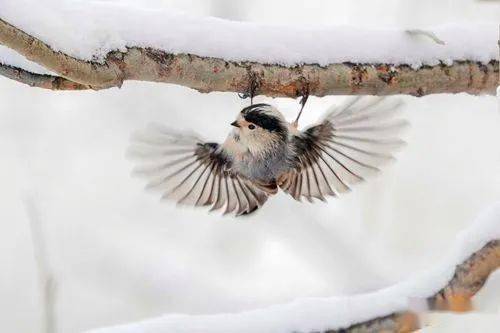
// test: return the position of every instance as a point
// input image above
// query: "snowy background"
(118, 255)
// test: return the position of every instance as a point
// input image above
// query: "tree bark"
(401, 322)
(207, 74)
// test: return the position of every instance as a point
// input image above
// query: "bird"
(264, 153)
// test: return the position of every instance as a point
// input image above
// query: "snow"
(11, 58)
(90, 29)
(320, 314)
(119, 255)
(442, 322)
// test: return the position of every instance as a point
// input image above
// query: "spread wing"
(349, 145)
(193, 172)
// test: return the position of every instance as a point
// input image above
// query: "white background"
(118, 255)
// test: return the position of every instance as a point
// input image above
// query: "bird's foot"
(303, 101)
(251, 89)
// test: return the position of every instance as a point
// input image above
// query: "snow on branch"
(449, 286)
(123, 42)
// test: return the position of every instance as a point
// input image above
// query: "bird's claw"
(252, 88)
(303, 101)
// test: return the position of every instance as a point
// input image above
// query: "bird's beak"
(235, 124)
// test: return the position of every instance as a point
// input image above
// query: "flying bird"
(264, 153)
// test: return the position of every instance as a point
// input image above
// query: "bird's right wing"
(193, 172)
(350, 144)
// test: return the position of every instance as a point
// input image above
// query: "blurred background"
(116, 254)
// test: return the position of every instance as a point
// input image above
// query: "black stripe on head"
(255, 114)
(255, 107)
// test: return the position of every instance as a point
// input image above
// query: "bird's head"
(260, 127)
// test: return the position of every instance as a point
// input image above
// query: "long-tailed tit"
(264, 153)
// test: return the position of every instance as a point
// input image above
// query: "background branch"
(46, 279)
(468, 279)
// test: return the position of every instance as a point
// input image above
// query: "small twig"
(46, 278)
(40, 80)
(426, 33)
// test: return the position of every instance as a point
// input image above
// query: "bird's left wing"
(193, 172)
(349, 145)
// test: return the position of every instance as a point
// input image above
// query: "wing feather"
(339, 185)
(232, 201)
(325, 183)
(348, 146)
(206, 191)
(193, 172)
(221, 192)
(256, 196)
(242, 197)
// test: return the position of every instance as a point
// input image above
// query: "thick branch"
(40, 80)
(207, 74)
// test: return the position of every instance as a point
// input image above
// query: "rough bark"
(468, 279)
(207, 74)
(397, 322)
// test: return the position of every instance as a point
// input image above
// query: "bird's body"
(265, 156)
(265, 168)
(264, 152)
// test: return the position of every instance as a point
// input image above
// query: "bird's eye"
(251, 126)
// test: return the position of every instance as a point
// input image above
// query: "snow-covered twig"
(211, 73)
(427, 33)
(449, 286)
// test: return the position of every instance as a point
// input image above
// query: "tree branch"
(40, 80)
(207, 74)
(468, 279)
(400, 322)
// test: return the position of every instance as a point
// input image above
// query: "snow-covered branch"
(449, 286)
(468, 279)
(67, 67)
(210, 54)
